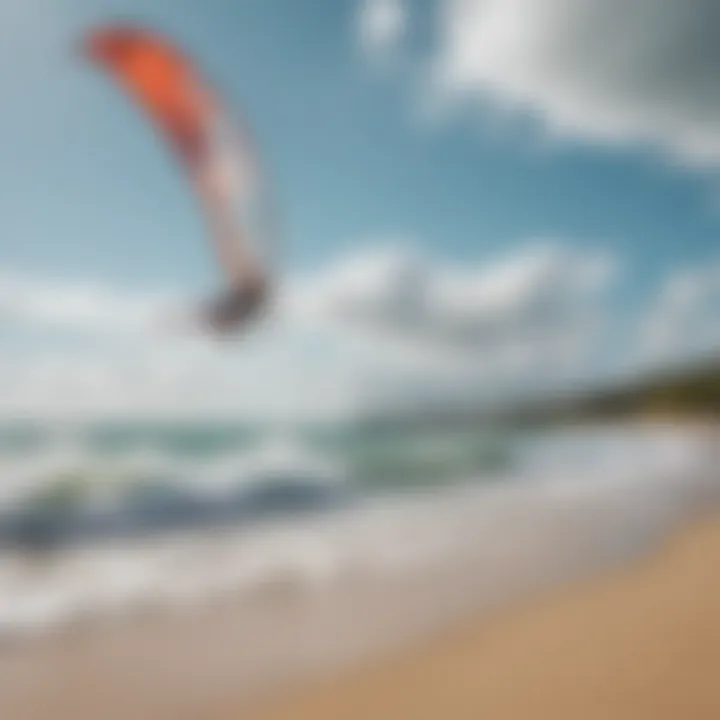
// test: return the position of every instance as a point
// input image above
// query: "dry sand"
(640, 643)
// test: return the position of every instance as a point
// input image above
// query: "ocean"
(101, 521)
(64, 485)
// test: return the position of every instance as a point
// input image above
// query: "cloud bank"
(80, 306)
(388, 327)
(377, 318)
(612, 71)
(684, 321)
(537, 306)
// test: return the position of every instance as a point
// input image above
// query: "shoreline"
(319, 599)
(638, 642)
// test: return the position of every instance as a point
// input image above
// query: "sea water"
(100, 521)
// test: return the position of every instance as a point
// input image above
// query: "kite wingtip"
(100, 41)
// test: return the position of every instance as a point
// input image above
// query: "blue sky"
(339, 101)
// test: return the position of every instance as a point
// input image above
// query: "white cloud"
(399, 293)
(616, 71)
(426, 330)
(385, 319)
(148, 384)
(82, 306)
(684, 321)
(98, 350)
(381, 25)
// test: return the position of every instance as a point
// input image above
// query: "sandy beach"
(643, 642)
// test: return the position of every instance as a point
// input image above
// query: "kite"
(216, 151)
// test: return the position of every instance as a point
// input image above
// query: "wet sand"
(642, 642)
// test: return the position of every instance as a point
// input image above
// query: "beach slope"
(643, 642)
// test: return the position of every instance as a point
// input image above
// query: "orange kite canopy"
(162, 81)
(166, 84)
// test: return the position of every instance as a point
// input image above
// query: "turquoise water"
(317, 511)
(103, 480)
(92, 478)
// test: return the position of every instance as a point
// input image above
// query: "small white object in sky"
(382, 24)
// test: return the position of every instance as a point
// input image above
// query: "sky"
(479, 200)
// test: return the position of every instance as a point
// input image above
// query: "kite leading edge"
(216, 152)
